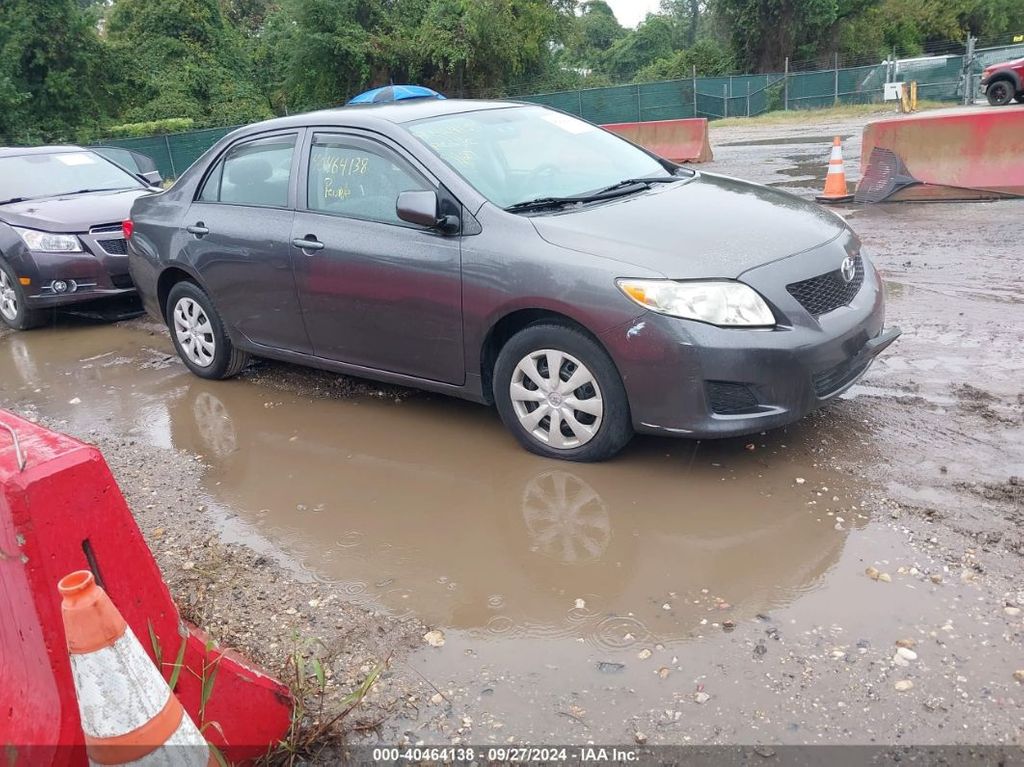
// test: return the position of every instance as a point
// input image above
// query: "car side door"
(376, 291)
(239, 227)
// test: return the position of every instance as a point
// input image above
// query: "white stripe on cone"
(837, 153)
(835, 170)
(119, 688)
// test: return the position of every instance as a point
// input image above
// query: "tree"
(706, 55)
(55, 75)
(765, 32)
(595, 31)
(652, 40)
(183, 59)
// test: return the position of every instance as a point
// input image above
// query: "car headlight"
(48, 242)
(726, 303)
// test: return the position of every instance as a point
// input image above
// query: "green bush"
(151, 128)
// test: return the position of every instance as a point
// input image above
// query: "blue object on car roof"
(390, 93)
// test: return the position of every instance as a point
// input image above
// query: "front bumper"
(696, 380)
(96, 272)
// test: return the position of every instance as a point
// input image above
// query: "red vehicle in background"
(1002, 83)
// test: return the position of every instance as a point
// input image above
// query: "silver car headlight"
(47, 242)
(723, 302)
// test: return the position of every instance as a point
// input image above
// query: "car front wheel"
(14, 310)
(198, 334)
(1000, 93)
(560, 394)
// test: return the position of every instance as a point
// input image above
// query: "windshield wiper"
(618, 189)
(14, 200)
(543, 203)
(644, 182)
(99, 189)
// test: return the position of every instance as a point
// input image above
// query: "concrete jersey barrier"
(965, 154)
(675, 140)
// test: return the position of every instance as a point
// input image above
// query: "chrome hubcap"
(8, 298)
(556, 399)
(194, 332)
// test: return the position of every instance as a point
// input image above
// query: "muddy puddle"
(425, 505)
(568, 594)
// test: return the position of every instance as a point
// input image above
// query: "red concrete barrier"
(957, 155)
(60, 510)
(675, 140)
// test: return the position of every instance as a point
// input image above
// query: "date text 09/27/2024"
(509, 754)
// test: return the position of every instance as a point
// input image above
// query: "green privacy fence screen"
(939, 78)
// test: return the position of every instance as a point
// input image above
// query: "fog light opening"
(62, 287)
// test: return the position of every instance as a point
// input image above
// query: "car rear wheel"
(560, 394)
(1000, 93)
(198, 334)
(14, 310)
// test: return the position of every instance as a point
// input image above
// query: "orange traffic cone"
(836, 189)
(128, 711)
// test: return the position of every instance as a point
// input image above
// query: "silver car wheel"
(557, 399)
(194, 332)
(8, 297)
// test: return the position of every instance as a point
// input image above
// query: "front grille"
(827, 292)
(105, 228)
(122, 281)
(118, 247)
(832, 380)
(728, 398)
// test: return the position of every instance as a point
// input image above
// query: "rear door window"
(253, 173)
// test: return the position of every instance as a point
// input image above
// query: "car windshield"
(34, 176)
(519, 154)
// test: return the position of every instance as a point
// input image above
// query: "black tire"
(615, 428)
(24, 318)
(1000, 93)
(227, 360)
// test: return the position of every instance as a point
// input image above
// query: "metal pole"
(785, 87)
(579, 98)
(748, 98)
(969, 70)
(170, 157)
(695, 90)
(835, 100)
(638, 117)
(725, 101)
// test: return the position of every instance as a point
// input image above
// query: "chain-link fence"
(939, 77)
(945, 75)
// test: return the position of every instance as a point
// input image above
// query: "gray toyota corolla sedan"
(514, 255)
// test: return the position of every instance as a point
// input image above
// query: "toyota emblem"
(848, 269)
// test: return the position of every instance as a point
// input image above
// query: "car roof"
(398, 112)
(17, 151)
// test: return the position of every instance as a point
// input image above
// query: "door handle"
(198, 229)
(307, 244)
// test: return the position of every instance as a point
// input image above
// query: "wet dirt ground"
(743, 591)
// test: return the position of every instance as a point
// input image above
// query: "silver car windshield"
(34, 176)
(525, 153)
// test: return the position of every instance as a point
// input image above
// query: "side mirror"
(153, 178)
(421, 208)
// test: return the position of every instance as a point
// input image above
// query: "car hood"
(710, 226)
(73, 214)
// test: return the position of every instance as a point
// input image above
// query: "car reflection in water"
(425, 507)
